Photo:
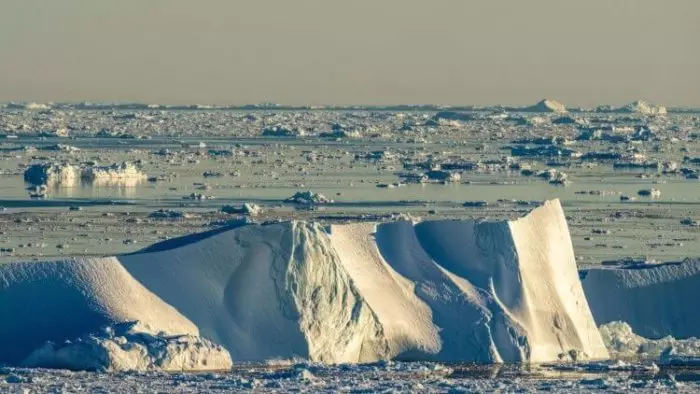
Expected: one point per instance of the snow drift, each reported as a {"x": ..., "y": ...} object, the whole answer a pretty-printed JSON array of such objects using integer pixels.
[
  {"x": 655, "y": 301},
  {"x": 63, "y": 300},
  {"x": 126, "y": 346},
  {"x": 436, "y": 290}
]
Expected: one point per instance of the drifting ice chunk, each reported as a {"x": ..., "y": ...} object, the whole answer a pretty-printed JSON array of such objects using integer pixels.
[
  {"x": 308, "y": 197},
  {"x": 51, "y": 174},
  {"x": 117, "y": 174}
]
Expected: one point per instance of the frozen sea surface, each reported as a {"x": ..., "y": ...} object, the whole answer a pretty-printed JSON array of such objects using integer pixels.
[{"x": 380, "y": 377}]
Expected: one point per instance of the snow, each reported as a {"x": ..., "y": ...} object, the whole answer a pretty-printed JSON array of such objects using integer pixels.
[
  {"x": 652, "y": 300},
  {"x": 116, "y": 174},
  {"x": 547, "y": 105},
  {"x": 623, "y": 343},
  {"x": 640, "y": 107},
  {"x": 273, "y": 291},
  {"x": 51, "y": 174},
  {"x": 63, "y": 300},
  {"x": 359, "y": 292},
  {"x": 126, "y": 174},
  {"x": 644, "y": 108},
  {"x": 125, "y": 347}
]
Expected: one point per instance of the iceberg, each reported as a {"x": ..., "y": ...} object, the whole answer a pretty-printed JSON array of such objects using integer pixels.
[
  {"x": 654, "y": 299},
  {"x": 443, "y": 290}
]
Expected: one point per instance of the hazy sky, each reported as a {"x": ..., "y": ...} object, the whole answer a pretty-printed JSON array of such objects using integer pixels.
[{"x": 580, "y": 52}]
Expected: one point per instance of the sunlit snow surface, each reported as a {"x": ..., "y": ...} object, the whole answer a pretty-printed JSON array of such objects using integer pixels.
[{"x": 380, "y": 377}]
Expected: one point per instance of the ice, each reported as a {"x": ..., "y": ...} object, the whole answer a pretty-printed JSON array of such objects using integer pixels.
[
  {"x": 547, "y": 105},
  {"x": 623, "y": 343},
  {"x": 127, "y": 347},
  {"x": 67, "y": 175},
  {"x": 52, "y": 174},
  {"x": 358, "y": 292},
  {"x": 63, "y": 300},
  {"x": 124, "y": 173},
  {"x": 651, "y": 298}
]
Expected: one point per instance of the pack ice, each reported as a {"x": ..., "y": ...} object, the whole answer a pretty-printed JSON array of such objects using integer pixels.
[{"x": 436, "y": 290}]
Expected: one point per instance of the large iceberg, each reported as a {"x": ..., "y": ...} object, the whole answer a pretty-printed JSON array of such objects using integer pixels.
[{"x": 344, "y": 293}]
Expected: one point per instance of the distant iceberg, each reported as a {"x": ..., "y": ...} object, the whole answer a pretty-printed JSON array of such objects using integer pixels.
[
  {"x": 546, "y": 105},
  {"x": 638, "y": 107}
]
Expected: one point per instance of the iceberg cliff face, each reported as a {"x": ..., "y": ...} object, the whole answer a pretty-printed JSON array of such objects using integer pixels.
[
  {"x": 505, "y": 291},
  {"x": 655, "y": 301},
  {"x": 436, "y": 290}
]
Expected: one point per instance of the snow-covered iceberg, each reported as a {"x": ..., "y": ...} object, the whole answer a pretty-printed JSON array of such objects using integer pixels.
[
  {"x": 437, "y": 290},
  {"x": 655, "y": 300},
  {"x": 546, "y": 105},
  {"x": 54, "y": 174}
]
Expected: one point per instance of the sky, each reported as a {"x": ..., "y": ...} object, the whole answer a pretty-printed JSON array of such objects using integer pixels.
[{"x": 378, "y": 52}]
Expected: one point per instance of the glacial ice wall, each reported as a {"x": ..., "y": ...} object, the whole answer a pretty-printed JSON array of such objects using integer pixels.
[
  {"x": 655, "y": 301},
  {"x": 358, "y": 292}
]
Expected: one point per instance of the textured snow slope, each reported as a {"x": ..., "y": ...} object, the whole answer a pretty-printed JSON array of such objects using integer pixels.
[
  {"x": 267, "y": 292},
  {"x": 62, "y": 300},
  {"x": 655, "y": 301},
  {"x": 506, "y": 291},
  {"x": 436, "y": 290},
  {"x": 125, "y": 346}
]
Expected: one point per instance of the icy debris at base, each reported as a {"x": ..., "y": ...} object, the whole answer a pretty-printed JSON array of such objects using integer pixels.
[
  {"x": 651, "y": 298},
  {"x": 52, "y": 174},
  {"x": 622, "y": 342},
  {"x": 357, "y": 292},
  {"x": 124, "y": 347},
  {"x": 308, "y": 198},
  {"x": 671, "y": 356}
]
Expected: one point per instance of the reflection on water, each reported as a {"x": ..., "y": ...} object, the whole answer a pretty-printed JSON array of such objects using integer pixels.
[{"x": 102, "y": 190}]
